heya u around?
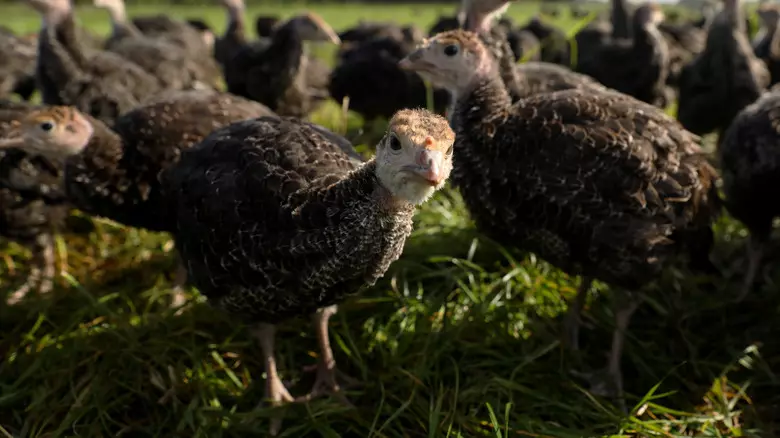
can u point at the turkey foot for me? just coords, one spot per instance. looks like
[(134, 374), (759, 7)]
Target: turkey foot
[(42, 272), (327, 381), (275, 391)]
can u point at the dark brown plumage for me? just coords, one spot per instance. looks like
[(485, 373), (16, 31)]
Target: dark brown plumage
[(598, 184), (115, 173), (367, 73), (724, 78), (101, 84), (750, 161), (162, 57), (32, 205), (274, 219), (767, 44), (17, 66), (638, 67), (275, 74)]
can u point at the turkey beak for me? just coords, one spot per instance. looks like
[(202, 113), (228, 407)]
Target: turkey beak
[(329, 34), (429, 166), (412, 61)]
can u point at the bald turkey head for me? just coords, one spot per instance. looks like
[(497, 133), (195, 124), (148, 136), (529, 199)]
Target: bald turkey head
[(56, 132)]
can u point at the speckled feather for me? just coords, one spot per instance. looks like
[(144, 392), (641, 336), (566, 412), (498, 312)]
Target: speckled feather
[(117, 175), (103, 84), (750, 161), (31, 198), (597, 184), (529, 78), (274, 220)]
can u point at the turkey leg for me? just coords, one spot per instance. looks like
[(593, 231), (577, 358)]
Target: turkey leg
[(573, 318), (755, 253), (275, 391), (327, 378), (42, 271)]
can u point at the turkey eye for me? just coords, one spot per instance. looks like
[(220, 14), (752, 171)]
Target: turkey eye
[(451, 50), (449, 149), (47, 126), (395, 143)]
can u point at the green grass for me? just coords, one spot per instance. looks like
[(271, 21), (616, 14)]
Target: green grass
[(460, 339)]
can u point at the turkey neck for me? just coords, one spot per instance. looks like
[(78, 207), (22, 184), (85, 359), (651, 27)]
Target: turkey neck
[(60, 57), (647, 37), (620, 20), (236, 25), (120, 25), (476, 110), (359, 189), (288, 51), (102, 154), (733, 14)]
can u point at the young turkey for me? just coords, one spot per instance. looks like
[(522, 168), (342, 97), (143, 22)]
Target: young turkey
[(598, 184), (101, 84), (161, 57), (277, 72), (114, 173), (750, 162), (277, 218), (638, 67), (32, 205)]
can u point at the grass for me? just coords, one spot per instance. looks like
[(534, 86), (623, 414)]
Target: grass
[(460, 339)]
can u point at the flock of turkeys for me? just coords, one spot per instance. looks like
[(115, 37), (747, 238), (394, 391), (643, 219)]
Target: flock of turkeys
[(276, 217)]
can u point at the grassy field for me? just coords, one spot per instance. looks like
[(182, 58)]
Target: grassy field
[(460, 339)]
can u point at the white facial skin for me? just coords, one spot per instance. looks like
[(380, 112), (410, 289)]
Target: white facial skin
[(447, 65), (410, 171), (50, 136)]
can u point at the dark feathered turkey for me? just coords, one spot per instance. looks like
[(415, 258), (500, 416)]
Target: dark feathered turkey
[(369, 75), (275, 74), (767, 43), (724, 78), (101, 84), (598, 184), (750, 161), (160, 56), (275, 219), (116, 176), (638, 67)]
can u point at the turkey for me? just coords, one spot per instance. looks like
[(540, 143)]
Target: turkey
[(598, 184), (276, 73), (750, 161), (638, 67), (113, 171), (724, 78), (767, 43), (276, 219), (32, 205), (101, 84), (367, 73), (170, 63)]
